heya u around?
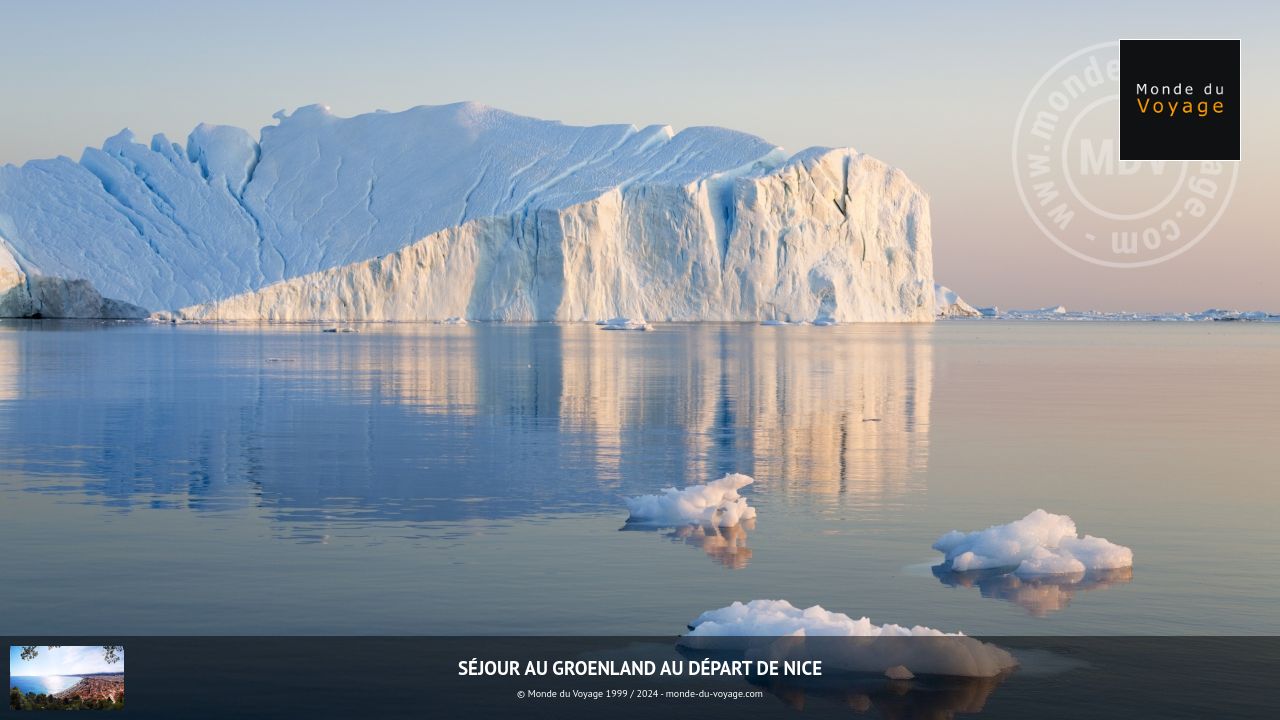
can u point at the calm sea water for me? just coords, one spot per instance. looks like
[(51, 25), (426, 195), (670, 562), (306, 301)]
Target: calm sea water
[(456, 480), (47, 685)]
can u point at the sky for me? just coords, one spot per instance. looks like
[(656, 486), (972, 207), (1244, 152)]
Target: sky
[(65, 660), (934, 89)]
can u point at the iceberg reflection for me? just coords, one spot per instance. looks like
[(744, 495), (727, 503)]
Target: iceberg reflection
[(408, 424), (931, 697), (725, 545), (1041, 595)]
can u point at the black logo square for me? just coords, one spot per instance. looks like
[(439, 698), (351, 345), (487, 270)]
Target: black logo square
[(1179, 99)]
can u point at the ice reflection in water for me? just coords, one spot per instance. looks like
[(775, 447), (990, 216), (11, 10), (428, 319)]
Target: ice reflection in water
[(725, 545), (328, 435), (1039, 596), (933, 697)]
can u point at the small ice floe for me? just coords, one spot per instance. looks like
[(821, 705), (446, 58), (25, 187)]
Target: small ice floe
[(623, 323), (1041, 543), (453, 321), (899, 672), (824, 322), (778, 630), (714, 504), (340, 329)]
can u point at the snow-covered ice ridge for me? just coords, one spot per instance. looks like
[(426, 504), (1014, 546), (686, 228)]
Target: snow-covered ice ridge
[(468, 211)]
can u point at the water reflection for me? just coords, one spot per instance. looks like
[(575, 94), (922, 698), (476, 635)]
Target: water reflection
[(854, 671), (926, 698), (10, 367), (1040, 596), (325, 433), (725, 545)]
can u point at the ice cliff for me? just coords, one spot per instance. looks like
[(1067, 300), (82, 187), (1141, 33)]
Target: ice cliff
[(471, 212), (36, 296)]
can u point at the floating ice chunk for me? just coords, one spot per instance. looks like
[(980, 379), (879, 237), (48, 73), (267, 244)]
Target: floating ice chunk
[(339, 330), (715, 504), (454, 321), (786, 323), (776, 618), (776, 629), (774, 322), (622, 323), (899, 672), (1041, 543)]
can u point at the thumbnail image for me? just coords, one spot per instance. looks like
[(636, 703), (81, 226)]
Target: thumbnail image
[(70, 677)]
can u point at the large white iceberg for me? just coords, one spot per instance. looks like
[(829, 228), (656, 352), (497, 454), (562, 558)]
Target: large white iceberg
[(471, 212), (1041, 543), (714, 504), (777, 629)]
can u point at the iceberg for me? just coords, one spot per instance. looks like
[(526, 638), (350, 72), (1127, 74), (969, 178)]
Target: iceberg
[(776, 629), (471, 212), (26, 294), (1041, 543), (951, 305), (714, 504)]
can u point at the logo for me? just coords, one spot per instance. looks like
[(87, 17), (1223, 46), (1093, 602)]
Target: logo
[(1180, 99), (1083, 196)]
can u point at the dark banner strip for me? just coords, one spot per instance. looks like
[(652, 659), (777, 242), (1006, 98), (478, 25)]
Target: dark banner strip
[(642, 677)]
